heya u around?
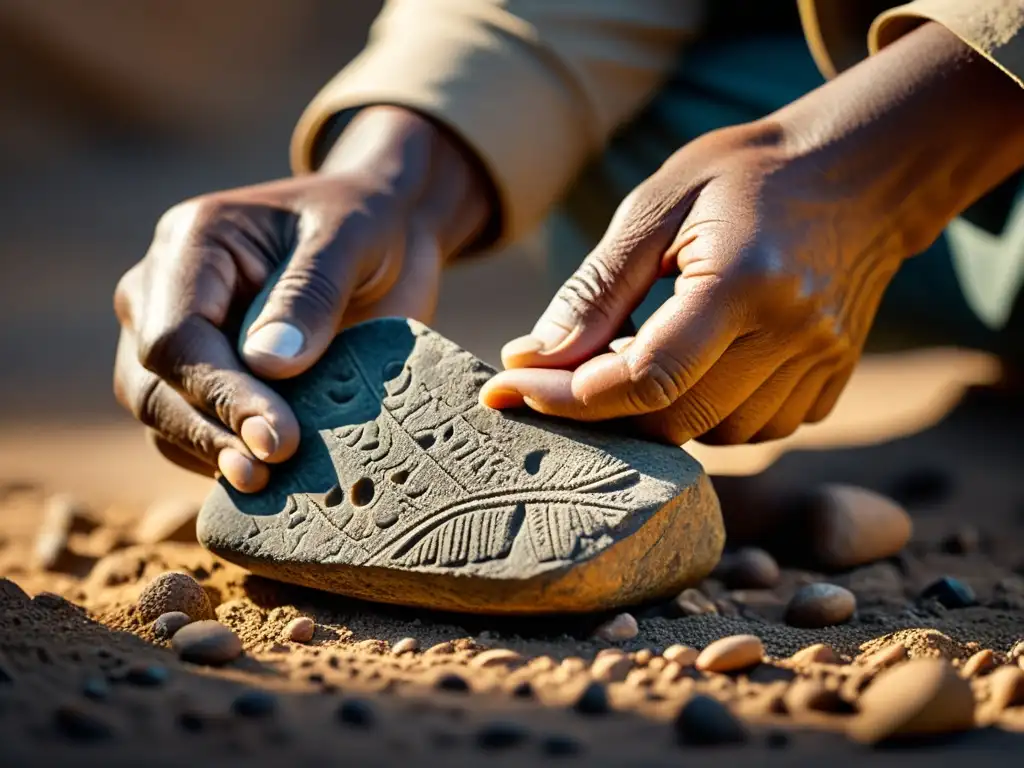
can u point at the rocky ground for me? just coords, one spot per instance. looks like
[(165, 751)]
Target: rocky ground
[(922, 638)]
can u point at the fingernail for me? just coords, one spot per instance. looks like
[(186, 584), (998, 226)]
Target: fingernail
[(236, 467), (277, 339), (259, 436), (524, 345)]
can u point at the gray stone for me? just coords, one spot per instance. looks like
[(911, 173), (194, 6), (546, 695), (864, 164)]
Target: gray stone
[(406, 490)]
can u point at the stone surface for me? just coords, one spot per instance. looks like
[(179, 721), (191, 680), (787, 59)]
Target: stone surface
[(682, 655), (405, 490), (300, 629), (731, 653), (819, 653), (693, 602), (167, 624), (918, 698), (848, 526), (174, 591), (750, 568), (820, 605), (619, 628), (405, 645), (207, 642)]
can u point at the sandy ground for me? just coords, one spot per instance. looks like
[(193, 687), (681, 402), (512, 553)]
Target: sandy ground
[(923, 428)]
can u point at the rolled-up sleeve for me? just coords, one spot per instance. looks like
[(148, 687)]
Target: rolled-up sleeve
[(533, 87), (994, 28)]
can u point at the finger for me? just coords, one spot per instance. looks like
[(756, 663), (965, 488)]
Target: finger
[(677, 345), (414, 292), (783, 389), (792, 413), (830, 394), (300, 310), (619, 345), (164, 410), (180, 456), (734, 378), (610, 283)]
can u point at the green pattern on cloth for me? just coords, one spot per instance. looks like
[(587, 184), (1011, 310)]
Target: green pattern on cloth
[(963, 291)]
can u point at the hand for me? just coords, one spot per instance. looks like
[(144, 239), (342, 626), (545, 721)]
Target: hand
[(366, 237), (784, 234)]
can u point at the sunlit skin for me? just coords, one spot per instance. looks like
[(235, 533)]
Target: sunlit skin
[(784, 234)]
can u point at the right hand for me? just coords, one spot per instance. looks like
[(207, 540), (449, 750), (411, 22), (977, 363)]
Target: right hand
[(365, 237)]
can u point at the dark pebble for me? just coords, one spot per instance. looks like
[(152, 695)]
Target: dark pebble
[(523, 690), (768, 673), (254, 704), (192, 722), (81, 724), (452, 682), (207, 642), (593, 700), (950, 592), (501, 735), (149, 676), (705, 721), (559, 746), (962, 542), (751, 568), (96, 688), (820, 605), (167, 624), (356, 712)]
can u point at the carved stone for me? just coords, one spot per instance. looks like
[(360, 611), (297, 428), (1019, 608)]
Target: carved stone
[(406, 490)]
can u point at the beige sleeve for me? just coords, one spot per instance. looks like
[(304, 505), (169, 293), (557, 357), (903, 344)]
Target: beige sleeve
[(534, 87), (994, 28)]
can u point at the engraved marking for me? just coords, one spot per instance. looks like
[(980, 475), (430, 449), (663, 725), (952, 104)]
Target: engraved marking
[(399, 477), (387, 518), (334, 496), (533, 459), (425, 441), (361, 492)]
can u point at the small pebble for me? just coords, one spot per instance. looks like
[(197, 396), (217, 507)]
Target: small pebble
[(806, 694), (1017, 651), (622, 627), (643, 657), (979, 663), (704, 721), (849, 526), (1006, 687), (168, 520), (731, 653), (254, 704), (751, 568), (405, 645), (167, 624), (50, 549), (174, 591), (96, 688), (82, 724), (819, 653), (885, 657), (147, 676), (207, 642), (693, 602), (951, 593), (501, 735), (611, 669), (921, 697), (450, 681), (300, 629), (559, 746), (593, 700), (682, 655), (820, 605), (964, 541), (356, 712), (496, 657)]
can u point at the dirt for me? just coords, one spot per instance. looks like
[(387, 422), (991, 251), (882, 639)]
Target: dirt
[(83, 680)]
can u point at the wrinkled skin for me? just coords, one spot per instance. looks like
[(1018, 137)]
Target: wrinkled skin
[(367, 237), (783, 233)]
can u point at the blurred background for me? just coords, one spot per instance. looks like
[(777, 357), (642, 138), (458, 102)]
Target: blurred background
[(113, 110)]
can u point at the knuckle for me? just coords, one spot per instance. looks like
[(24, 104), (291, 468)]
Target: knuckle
[(160, 349), (125, 293), (219, 392), (309, 290), (658, 384)]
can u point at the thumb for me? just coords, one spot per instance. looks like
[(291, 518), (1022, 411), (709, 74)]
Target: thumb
[(299, 311), (591, 307)]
